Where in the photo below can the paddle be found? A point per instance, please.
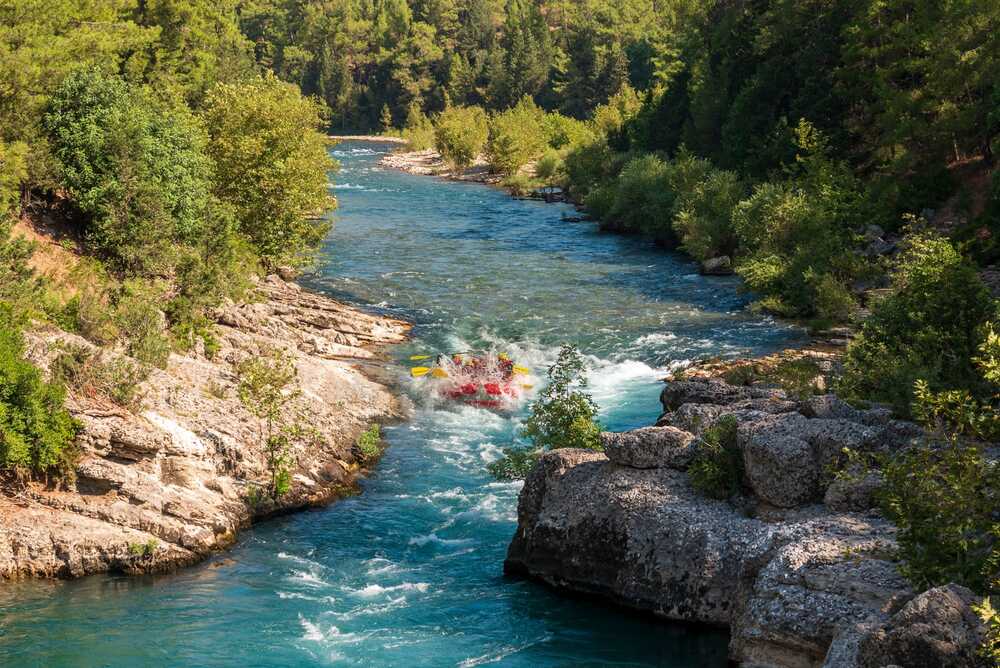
(419, 371)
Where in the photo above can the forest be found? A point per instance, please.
(838, 155)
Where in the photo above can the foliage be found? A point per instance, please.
(271, 165)
(643, 199)
(138, 317)
(19, 287)
(97, 374)
(419, 130)
(460, 135)
(13, 172)
(144, 550)
(36, 431)
(927, 329)
(516, 137)
(717, 469)
(705, 200)
(943, 500)
(369, 444)
(564, 416)
(990, 650)
(515, 464)
(136, 169)
(267, 386)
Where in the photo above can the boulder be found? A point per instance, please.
(717, 266)
(937, 629)
(855, 491)
(645, 539)
(785, 454)
(650, 447)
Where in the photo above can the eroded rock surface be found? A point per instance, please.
(169, 482)
(799, 582)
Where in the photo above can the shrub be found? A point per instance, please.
(563, 132)
(36, 431)
(271, 166)
(13, 171)
(717, 469)
(144, 550)
(142, 324)
(704, 206)
(516, 137)
(369, 444)
(549, 167)
(564, 416)
(20, 289)
(419, 130)
(94, 374)
(990, 650)
(944, 503)
(460, 134)
(137, 170)
(643, 199)
(267, 386)
(928, 328)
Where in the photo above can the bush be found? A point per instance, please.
(20, 289)
(419, 130)
(93, 374)
(549, 167)
(271, 166)
(369, 444)
(643, 199)
(460, 134)
(929, 328)
(944, 502)
(13, 171)
(705, 200)
(137, 170)
(717, 469)
(516, 137)
(36, 431)
(142, 324)
(563, 132)
(564, 416)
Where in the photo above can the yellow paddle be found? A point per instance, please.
(419, 371)
(524, 371)
(417, 358)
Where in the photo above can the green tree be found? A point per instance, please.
(136, 170)
(271, 165)
(267, 386)
(929, 328)
(460, 135)
(516, 137)
(36, 431)
(563, 416)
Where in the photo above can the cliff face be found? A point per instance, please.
(800, 568)
(167, 483)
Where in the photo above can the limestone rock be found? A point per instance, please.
(937, 629)
(649, 447)
(166, 484)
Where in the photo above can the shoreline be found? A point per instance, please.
(173, 481)
(388, 139)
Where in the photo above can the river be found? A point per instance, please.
(409, 573)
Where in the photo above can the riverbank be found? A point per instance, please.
(797, 562)
(176, 478)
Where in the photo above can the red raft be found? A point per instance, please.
(483, 380)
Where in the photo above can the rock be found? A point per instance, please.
(650, 447)
(679, 392)
(785, 454)
(855, 491)
(644, 538)
(176, 471)
(937, 629)
(717, 266)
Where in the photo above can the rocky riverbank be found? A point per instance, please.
(430, 163)
(174, 479)
(799, 566)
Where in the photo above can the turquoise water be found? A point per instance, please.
(409, 572)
